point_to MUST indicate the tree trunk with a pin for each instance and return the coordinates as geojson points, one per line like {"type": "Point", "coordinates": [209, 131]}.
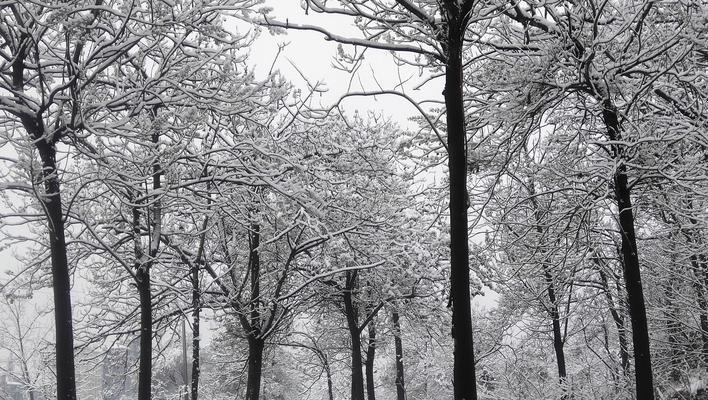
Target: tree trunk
{"type": "Point", "coordinates": [255, 368]}
{"type": "Point", "coordinates": [553, 312]}
{"type": "Point", "coordinates": [330, 388]}
{"type": "Point", "coordinates": [142, 274]}
{"type": "Point", "coordinates": [145, 369]}
{"type": "Point", "coordinates": [196, 307]}
{"type": "Point", "coordinates": [703, 318]}
{"type": "Point", "coordinates": [357, 383]}
{"type": "Point", "coordinates": [673, 331]}
{"type": "Point", "coordinates": [703, 263]}
{"type": "Point", "coordinates": [370, 358]}
{"type": "Point", "coordinates": [557, 335]}
{"type": "Point", "coordinates": [700, 271]}
{"type": "Point", "coordinates": [464, 379]}
{"type": "Point", "coordinates": [699, 287]}
{"type": "Point", "coordinates": [400, 377]}
{"type": "Point", "coordinates": [61, 283]}
{"type": "Point", "coordinates": [255, 342]}
{"type": "Point", "coordinates": [623, 344]}
{"type": "Point", "coordinates": [630, 260]}
{"type": "Point", "coordinates": [619, 324]}
{"type": "Point", "coordinates": [26, 377]}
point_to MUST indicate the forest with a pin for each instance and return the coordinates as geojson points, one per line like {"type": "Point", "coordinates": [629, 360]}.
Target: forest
{"type": "Point", "coordinates": [519, 216]}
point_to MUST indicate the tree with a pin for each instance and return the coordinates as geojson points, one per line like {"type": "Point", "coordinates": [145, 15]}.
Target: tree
{"type": "Point", "coordinates": [566, 67]}
{"type": "Point", "coordinates": [20, 339]}
{"type": "Point", "coordinates": [46, 68]}
{"type": "Point", "coordinates": [400, 373]}
{"type": "Point", "coordinates": [434, 34]}
{"type": "Point", "coordinates": [169, 104]}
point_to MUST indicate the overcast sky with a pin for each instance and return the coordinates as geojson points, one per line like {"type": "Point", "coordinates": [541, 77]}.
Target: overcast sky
{"type": "Point", "coordinates": [313, 56]}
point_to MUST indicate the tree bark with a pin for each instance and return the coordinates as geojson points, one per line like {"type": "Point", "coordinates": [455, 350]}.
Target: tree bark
{"type": "Point", "coordinates": [557, 334]}
{"type": "Point", "coordinates": [145, 368]}
{"type": "Point", "coordinates": [619, 324]}
{"type": "Point", "coordinates": [370, 358]}
{"type": "Point", "coordinates": [699, 287]}
{"type": "Point", "coordinates": [61, 282]}
{"type": "Point", "coordinates": [143, 267]}
{"type": "Point", "coordinates": [673, 331]}
{"type": "Point", "coordinates": [255, 342]}
{"type": "Point", "coordinates": [196, 308]}
{"type": "Point", "coordinates": [197, 304]}
{"type": "Point", "coordinates": [52, 205]}
{"type": "Point", "coordinates": [400, 376]}
{"type": "Point", "coordinates": [330, 388]}
{"type": "Point", "coordinates": [464, 379]}
{"type": "Point", "coordinates": [630, 260]}
{"type": "Point", "coordinates": [357, 378]}
{"type": "Point", "coordinates": [703, 263]}
{"type": "Point", "coordinates": [703, 318]}
{"type": "Point", "coordinates": [553, 312]}
{"type": "Point", "coordinates": [255, 368]}
{"type": "Point", "coordinates": [700, 270]}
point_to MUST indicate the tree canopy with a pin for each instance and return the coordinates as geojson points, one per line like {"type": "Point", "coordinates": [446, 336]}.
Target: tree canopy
{"type": "Point", "coordinates": [498, 200]}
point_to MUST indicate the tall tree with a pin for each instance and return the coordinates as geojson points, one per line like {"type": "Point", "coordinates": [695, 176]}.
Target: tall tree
{"type": "Point", "coordinates": [400, 373]}
{"type": "Point", "coordinates": [160, 124]}
{"type": "Point", "coordinates": [561, 53]}
{"type": "Point", "coordinates": [46, 67]}
{"type": "Point", "coordinates": [434, 33]}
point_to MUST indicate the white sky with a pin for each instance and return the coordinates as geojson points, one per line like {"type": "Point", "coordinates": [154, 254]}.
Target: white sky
{"type": "Point", "coordinates": [313, 56]}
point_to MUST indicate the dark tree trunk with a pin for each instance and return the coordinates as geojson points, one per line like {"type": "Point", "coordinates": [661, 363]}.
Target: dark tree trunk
{"type": "Point", "coordinates": [623, 344]}
{"type": "Point", "coordinates": [51, 202]}
{"type": "Point", "coordinates": [145, 369]}
{"type": "Point", "coordinates": [370, 358]}
{"type": "Point", "coordinates": [330, 388]}
{"type": "Point", "coordinates": [703, 317]}
{"type": "Point", "coordinates": [327, 369]}
{"type": "Point", "coordinates": [400, 376]}
{"type": "Point", "coordinates": [142, 274]}
{"type": "Point", "coordinates": [704, 327]}
{"type": "Point", "coordinates": [557, 334]}
{"type": "Point", "coordinates": [61, 282]}
{"type": "Point", "coordinates": [357, 383]}
{"type": "Point", "coordinates": [630, 260]}
{"type": "Point", "coordinates": [553, 312]}
{"type": "Point", "coordinates": [255, 368]}
{"type": "Point", "coordinates": [255, 342]}
{"type": "Point", "coordinates": [702, 304]}
{"type": "Point", "coordinates": [673, 331]}
{"type": "Point", "coordinates": [196, 308]}
{"type": "Point", "coordinates": [700, 271]}
{"type": "Point", "coordinates": [464, 379]}
{"type": "Point", "coordinates": [703, 263]}
{"type": "Point", "coordinates": [619, 324]}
